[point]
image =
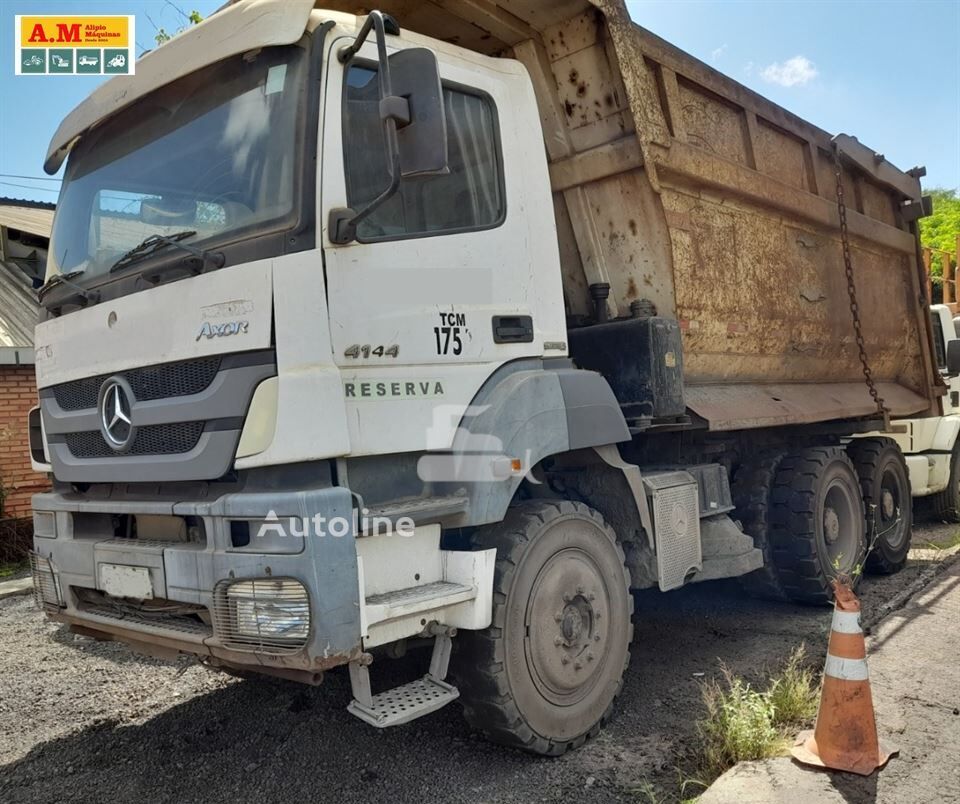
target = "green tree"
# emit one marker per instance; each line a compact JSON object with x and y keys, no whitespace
{"x":162,"y":36}
{"x":940,"y":230}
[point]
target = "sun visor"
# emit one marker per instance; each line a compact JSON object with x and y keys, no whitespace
{"x":236,"y":29}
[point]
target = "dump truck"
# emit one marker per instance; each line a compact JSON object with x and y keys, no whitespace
{"x":446,"y":325}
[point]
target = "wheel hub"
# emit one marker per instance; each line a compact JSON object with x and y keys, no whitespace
{"x":567,"y":636}
{"x":575,"y":622}
{"x":831,"y":525}
{"x":888,"y":505}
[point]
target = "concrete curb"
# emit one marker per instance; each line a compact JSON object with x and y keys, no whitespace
{"x":21,"y":586}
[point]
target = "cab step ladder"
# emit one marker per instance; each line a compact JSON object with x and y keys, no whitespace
{"x":408,"y":701}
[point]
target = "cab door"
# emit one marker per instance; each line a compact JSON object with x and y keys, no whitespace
{"x":454,"y":275}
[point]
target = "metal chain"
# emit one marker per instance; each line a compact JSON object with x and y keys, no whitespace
{"x":852,"y":291}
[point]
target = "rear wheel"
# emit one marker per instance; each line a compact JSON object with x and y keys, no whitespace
{"x":804,"y":511}
{"x":817,"y":523}
{"x":752,"y":484}
{"x":885,"y":484}
{"x":544,"y":676}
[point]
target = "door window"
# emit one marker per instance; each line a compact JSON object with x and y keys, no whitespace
{"x":470,"y":197}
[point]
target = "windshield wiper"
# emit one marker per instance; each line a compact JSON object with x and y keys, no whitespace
{"x":155,"y":242}
{"x":64,"y":279}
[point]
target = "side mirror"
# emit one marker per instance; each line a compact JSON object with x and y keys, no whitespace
{"x":413,"y":116}
{"x":421,"y":142}
{"x":953,"y":356}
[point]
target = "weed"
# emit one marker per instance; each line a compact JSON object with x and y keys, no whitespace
{"x":739,"y":724}
{"x":793,"y":692}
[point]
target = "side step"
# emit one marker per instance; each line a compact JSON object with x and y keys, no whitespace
{"x":422,"y":510}
{"x":408,"y":701}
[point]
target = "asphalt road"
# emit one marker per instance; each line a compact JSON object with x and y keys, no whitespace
{"x":82,"y":721}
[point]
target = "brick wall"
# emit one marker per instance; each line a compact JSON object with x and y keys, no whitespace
{"x":18,"y":393}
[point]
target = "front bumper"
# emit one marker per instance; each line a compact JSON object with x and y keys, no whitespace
{"x":74,"y":540}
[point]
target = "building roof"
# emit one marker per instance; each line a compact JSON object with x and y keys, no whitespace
{"x":34,"y":217}
{"x":18,"y":315}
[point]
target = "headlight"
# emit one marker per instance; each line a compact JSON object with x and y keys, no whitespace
{"x":265,"y":615}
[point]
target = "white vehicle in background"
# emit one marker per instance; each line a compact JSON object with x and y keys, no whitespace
{"x":930,"y":445}
{"x":117,"y":61}
{"x":59,"y":61}
{"x":88,"y":61}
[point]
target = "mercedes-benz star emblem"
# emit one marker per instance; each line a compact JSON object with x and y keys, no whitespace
{"x":115,"y":414}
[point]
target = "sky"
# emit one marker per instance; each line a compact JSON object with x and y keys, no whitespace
{"x":886,"y":71}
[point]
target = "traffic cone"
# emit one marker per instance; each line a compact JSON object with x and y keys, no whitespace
{"x":845,"y":737}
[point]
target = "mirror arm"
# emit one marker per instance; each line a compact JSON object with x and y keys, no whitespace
{"x":343,"y":222}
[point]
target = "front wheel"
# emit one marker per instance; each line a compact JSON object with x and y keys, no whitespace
{"x":945,"y":505}
{"x":544,"y":676}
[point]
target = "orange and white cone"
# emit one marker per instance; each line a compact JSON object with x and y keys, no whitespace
{"x":845,"y":737}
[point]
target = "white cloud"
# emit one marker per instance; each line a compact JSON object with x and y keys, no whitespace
{"x":716,"y":53}
{"x":790,"y":73}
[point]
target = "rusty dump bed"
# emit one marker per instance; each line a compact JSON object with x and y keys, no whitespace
{"x":676,"y":184}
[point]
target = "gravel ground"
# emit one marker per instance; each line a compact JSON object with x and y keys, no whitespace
{"x":82,"y":721}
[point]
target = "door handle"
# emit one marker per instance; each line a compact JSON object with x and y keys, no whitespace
{"x":512,"y":329}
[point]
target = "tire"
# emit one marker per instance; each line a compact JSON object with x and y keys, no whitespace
{"x":817,"y":524}
{"x":945,"y":505}
{"x":561,"y":608}
{"x":885,"y":484}
{"x":751,"y":488}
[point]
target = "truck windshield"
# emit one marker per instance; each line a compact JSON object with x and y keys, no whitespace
{"x":214,"y":153}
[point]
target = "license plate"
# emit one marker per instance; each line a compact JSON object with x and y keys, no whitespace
{"x":119,"y":580}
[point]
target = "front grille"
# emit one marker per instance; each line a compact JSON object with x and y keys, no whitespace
{"x":161,"y":615}
{"x":154,"y":439}
{"x":153,"y":382}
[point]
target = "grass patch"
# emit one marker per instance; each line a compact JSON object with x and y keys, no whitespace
{"x":793,"y":693}
{"x":688,"y":791}
{"x":946,"y":543}
{"x":743,"y":723}
{"x":9,"y":570}
{"x":738,"y":726}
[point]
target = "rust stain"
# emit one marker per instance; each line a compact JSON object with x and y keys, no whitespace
{"x":574,"y":77}
{"x":633,"y":227}
{"x":632,"y":291}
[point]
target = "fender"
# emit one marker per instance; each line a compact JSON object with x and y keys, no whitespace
{"x":946,"y":436}
{"x":531,"y":410}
